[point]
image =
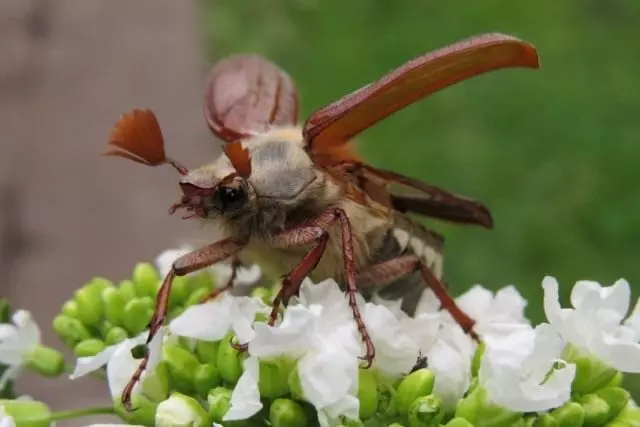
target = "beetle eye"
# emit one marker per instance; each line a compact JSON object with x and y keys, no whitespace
{"x":230,"y":199}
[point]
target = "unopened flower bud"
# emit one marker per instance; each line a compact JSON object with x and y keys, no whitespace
{"x":207,"y":351}
{"x":229,"y":362}
{"x":144,"y":410}
{"x":629,"y":417}
{"x":146,"y":279}
{"x":207,"y":377}
{"x":475,"y":408}
{"x":571,"y":414}
{"x":219,"y":400}
{"x":545,"y":420}
{"x":180,"y":410}
{"x":155,"y":385}
{"x":295,"y":386}
{"x":396,"y":424}
{"x":386,"y":399}
{"x":114,"y":304}
{"x":477,"y":359}
{"x":90,"y":347}
{"x":70,"y":308}
{"x":116,"y":335}
{"x":458,"y":422}
{"x":417,"y":384}
{"x":367,"y":394}
{"x":180,"y":291}
{"x":349,"y":422}
{"x":89,"y":303}
{"x":182,"y":366}
{"x":591,"y":373}
{"x":127,"y":290}
{"x":136,"y":316}
{"x":46,"y":361}
{"x":197,"y":296}
{"x":426,"y":411}
{"x":70,"y":330}
{"x":617,"y":380}
{"x":273,"y":378}
{"x":287,"y":413}
{"x":596,"y":410}
{"x":203,"y":279}
{"x":617,"y":398}
{"x":263,"y":294}
{"x":27,"y":412}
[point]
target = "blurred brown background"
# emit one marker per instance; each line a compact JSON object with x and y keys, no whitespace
{"x":69,"y":68}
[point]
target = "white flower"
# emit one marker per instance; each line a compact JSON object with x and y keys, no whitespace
{"x":17,"y":341}
{"x":397,"y":339}
{"x":212,"y":320}
{"x":6,"y":420}
{"x":180,"y":411}
{"x":120,"y":363}
{"x":245,"y":398}
{"x":596,"y":324}
{"x":245,"y":276}
{"x":450,"y":359}
{"x":523,"y":372}
{"x":321,"y":335}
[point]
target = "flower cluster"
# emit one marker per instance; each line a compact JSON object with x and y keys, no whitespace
{"x":306,"y":369}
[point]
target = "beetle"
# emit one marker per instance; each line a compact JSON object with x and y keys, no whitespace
{"x":298,"y":199}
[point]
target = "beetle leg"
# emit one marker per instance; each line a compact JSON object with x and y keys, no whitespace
{"x":235,"y":265}
{"x":189,"y":263}
{"x":396,"y":268}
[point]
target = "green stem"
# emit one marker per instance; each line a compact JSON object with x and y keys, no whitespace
{"x":76,"y":413}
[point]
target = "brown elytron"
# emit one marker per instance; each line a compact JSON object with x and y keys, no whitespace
{"x":299,"y":201}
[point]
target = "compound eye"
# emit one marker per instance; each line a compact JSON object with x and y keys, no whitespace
{"x":230,"y":199}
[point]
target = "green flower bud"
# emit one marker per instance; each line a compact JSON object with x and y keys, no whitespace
{"x":229,"y":362}
{"x":203,"y":279}
{"x":545,"y":420}
{"x":70,"y":308}
{"x":367,"y":394}
{"x":146,"y":279}
{"x":28,"y":413}
{"x":295,"y":386}
{"x":477,"y":409}
{"x":571,"y":414}
{"x":5,"y":310}
{"x":127,"y":290}
{"x":458,"y":422}
{"x":114,"y":304}
{"x":591,"y":373}
{"x":617,"y":398}
{"x":70,"y":330}
{"x":46,"y":361}
{"x":273,"y":378}
{"x":477,"y":359}
{"x":417,"y":384}
{"x":180,"y":290}
{"x":89,"y":304}
{"x":182,"y":366}
{"x":347,"y":422}
{"x":596,"y":410}
{"x":219,"y":400}
{"x":617,"y":380}
{"x":144,"y":410}
{"x":207,"y":377}
{"x":207,"y":351}
{"x":629,"y":417}
{"x":155,"y":385}
{"x":197,"y":296}
{"x":180,"y":410}
{"x":386,"y":399}
{"x":398,"y":425}
{"x":116,"y":335}
{"x":287,"y":413}
{"x":136,"y":316}
{"x":426,"y":411}
{"x":263,"y":294}
{"x":89,"y":347}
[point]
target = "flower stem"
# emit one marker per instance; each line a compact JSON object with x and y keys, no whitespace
{"x":76,"y":413}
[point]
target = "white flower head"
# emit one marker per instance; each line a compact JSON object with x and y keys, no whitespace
{"x":17,"y":341}
{"x":598,"y":323}
{"x":321,"y":335}
{"x":212,"y":320}
{"x":121,"y":364}
{"x":6,"y":420}
{"x":523,"y":372}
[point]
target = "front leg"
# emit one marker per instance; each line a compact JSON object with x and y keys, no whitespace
{"x":189,"y":263}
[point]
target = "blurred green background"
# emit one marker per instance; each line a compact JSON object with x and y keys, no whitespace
{"x":551,"y":152}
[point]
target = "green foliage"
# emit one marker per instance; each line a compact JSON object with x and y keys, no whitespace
{"x":551,"y":152}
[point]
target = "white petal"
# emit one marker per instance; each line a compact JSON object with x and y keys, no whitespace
{"x":476,"y":301}
{"x":11,"y":352}
{"x":85,"y":365}
{"x":327,"y":376}
{"x":9,"y":374}
{"x":348,"y":407}
{"x":394,"y":305}
{"x":547,"y":349}
{"x":323,"y":293}
{"x":165,"y":260}
{"x":243,"y":314}
{"x":27,"y":328}
{"x":583,"y":289}
{"x":621,"y":354}
{"x":122,"y":366}
{"x":247,"y":276}
{"x":5,"y":419}
{"x":589,"y":296}
{"x":508,"y":305}
{"x":423,"y":329}
{"x":209,"y":321}
{"x":396,"y":352}
{"x":428,"y":303}
{"x":552,"y":309}
{"x":245,"y":398}
{"x":289,"y":337}
{"x":8,"y":332}
{"x":222,"y":272}
{"x":155,"y":348}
